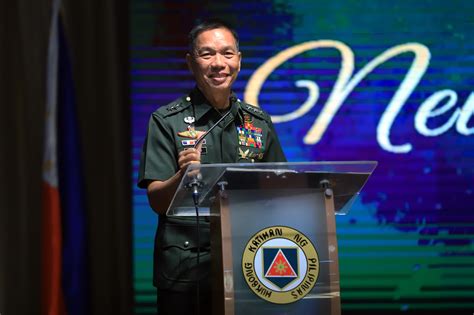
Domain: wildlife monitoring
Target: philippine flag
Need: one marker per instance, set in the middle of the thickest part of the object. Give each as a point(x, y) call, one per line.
point(63, 229)
point(51, 227)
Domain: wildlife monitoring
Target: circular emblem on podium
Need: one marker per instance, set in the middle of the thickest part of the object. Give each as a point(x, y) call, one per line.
point(280, 264)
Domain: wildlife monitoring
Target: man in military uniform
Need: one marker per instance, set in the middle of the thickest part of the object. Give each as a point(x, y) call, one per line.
point(245, 135)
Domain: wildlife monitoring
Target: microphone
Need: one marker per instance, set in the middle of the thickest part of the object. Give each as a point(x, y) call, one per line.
point(195, 187)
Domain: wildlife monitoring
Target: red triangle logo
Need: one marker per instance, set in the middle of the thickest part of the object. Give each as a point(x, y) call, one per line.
point(280, 267)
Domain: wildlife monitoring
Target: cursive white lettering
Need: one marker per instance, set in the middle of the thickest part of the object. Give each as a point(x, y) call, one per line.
point(427, 110)
point(346, 82)
point(466, 114)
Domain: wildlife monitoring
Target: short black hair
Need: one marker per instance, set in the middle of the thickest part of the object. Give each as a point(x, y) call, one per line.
point(206, 26)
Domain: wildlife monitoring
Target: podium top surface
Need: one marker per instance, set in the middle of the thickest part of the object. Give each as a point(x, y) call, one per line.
point(346, 180)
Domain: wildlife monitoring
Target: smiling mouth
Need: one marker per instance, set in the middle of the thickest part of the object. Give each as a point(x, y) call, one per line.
point(218, 78)
point(221, 75)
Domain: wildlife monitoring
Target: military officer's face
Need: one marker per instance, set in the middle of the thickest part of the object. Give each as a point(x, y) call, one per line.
point(215, 62)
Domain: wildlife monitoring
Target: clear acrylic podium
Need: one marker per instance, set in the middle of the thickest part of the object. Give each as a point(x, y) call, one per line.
point(273, 233)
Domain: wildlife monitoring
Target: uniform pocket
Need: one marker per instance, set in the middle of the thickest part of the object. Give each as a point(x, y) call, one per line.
point(176, 253)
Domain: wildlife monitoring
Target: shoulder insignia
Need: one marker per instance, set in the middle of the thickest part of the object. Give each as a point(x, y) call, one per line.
point(175, 107)
point(255, 111)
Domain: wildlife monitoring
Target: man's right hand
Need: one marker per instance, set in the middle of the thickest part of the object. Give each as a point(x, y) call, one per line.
point(160, 193)
point(189, 156)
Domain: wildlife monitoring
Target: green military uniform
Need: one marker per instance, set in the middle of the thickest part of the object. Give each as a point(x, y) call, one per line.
point(245, 135)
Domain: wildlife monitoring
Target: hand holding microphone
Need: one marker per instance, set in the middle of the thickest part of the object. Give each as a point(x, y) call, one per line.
point(189, 156)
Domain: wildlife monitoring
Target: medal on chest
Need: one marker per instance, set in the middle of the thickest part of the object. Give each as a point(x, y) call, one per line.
point(249, 135)
point(192, 135)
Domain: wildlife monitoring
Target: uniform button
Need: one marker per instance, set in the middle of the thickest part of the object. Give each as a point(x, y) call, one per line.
point(186, 244)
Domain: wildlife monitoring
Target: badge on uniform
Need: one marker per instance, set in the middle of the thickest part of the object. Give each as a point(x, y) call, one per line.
point(191, 133)
point(249, 135)
point(187, 143)
point(243, 154)
point(247, 118)
point(189, 120)
point(252, 156)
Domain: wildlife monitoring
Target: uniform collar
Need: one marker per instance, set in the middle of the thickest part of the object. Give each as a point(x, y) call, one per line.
point(202, 106)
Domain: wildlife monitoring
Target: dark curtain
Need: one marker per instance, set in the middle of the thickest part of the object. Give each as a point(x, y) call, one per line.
point(98, 38)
